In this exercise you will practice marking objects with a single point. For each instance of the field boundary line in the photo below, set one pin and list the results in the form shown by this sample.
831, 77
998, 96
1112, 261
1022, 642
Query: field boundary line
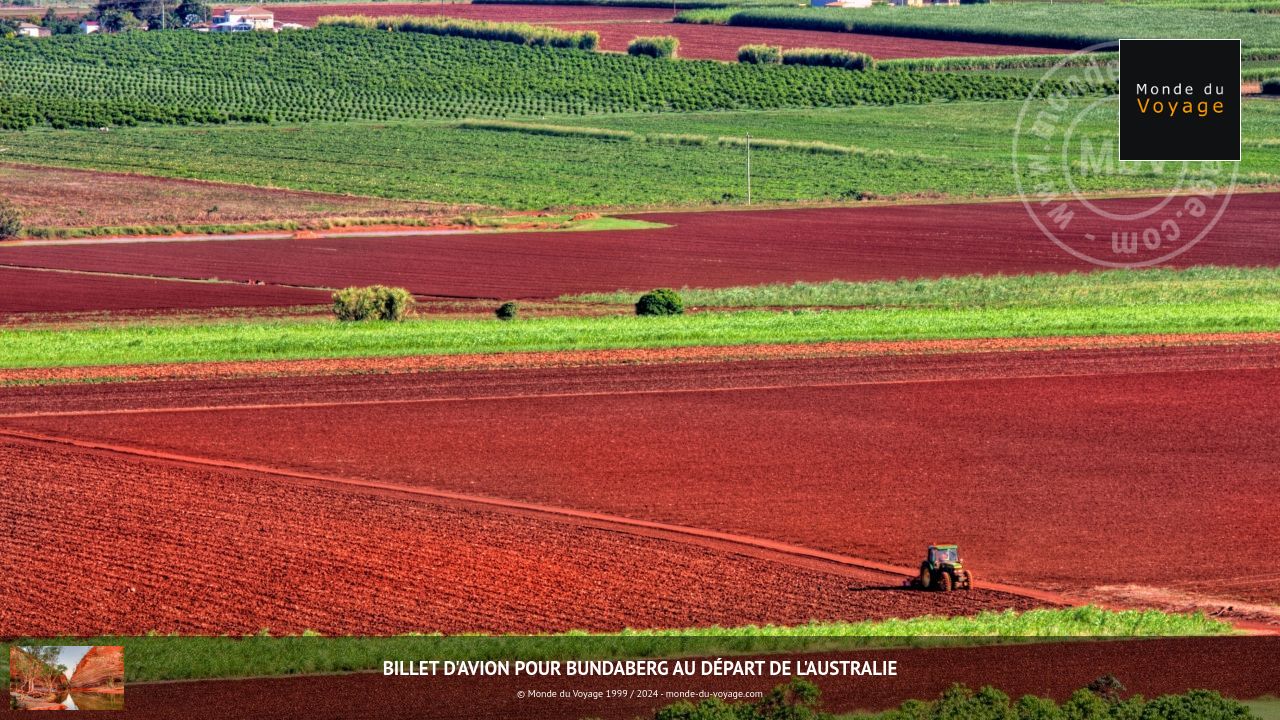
591, 394
782, 552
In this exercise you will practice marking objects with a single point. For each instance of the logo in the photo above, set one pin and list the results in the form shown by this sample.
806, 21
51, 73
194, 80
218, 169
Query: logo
1083, 197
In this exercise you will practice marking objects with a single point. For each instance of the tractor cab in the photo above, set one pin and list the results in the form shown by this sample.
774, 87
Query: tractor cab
942, 570
944, 555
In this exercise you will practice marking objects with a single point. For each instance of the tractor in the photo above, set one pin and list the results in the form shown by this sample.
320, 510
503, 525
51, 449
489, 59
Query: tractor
942, 570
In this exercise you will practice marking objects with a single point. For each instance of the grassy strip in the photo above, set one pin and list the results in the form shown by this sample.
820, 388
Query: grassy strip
1109, 287
999, 62
299, 339
757, 143
176, 657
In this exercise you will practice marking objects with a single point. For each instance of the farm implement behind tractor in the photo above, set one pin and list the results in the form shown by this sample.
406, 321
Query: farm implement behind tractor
942, 570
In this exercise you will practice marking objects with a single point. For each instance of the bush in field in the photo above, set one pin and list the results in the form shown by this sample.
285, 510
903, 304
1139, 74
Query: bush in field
659, 46
662, 301
824, 57
376, 302
10, 220
507, 311
1271, 86
760, 54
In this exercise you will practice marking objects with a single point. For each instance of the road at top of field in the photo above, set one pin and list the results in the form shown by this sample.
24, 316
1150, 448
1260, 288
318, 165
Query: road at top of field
1047, 479
538, 14
217, 551
700, 249
1150, 667
721, 42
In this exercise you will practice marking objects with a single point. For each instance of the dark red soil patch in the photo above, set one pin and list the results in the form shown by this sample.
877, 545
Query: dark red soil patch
32, 291
721, 42
1059, 482
175, 548
308, 14
1233, 666
707, 249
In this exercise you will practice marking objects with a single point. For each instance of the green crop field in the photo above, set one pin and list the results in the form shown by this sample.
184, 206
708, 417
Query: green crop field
943, 149
146, 342
1070, 25
153, 658
339, 73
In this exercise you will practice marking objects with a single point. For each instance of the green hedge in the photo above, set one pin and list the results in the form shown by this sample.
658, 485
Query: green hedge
826, 57
520, 33
760, 54
657, 46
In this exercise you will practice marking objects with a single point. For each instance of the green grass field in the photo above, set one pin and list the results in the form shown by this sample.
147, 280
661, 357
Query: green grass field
945, 149
294, 339
1104, 288
174, 657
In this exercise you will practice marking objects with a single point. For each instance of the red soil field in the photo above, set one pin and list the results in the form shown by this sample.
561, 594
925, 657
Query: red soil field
709, 249
33, 291
174, 548
721, 42
1148, 667
541, 14
1049, 480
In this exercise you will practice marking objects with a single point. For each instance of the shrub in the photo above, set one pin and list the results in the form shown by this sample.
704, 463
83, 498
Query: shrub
659, 46
662, 301
1271, 86
760, 54
10, 220
825, 57
507, 311
376, 302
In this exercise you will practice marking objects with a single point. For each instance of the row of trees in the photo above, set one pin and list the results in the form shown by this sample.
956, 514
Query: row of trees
38, 669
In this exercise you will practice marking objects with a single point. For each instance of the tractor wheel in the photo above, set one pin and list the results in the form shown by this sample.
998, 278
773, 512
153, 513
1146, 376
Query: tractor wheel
968, 580
926, 577
944, 581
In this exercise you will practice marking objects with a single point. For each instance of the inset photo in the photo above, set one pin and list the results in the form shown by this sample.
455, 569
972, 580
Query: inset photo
66, 677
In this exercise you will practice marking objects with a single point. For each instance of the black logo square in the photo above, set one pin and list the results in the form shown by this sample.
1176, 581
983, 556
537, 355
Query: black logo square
1180, 100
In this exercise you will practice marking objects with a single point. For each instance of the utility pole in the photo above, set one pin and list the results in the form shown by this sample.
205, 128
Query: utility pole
748, 168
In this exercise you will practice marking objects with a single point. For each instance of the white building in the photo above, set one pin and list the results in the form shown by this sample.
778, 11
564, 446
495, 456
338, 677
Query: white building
234, 19
26, 29
88, 27
841, 3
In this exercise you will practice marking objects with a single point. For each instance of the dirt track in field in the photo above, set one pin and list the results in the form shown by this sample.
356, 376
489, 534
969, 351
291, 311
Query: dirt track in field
708, 249
176, 548
1237, 667
721, 42
1103, 470
37, 291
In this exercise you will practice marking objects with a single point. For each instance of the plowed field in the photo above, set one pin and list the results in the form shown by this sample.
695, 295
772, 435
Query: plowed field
1153, 455
721, 42
149, 545
33, 291
1233, 666
541, 14
701, 249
